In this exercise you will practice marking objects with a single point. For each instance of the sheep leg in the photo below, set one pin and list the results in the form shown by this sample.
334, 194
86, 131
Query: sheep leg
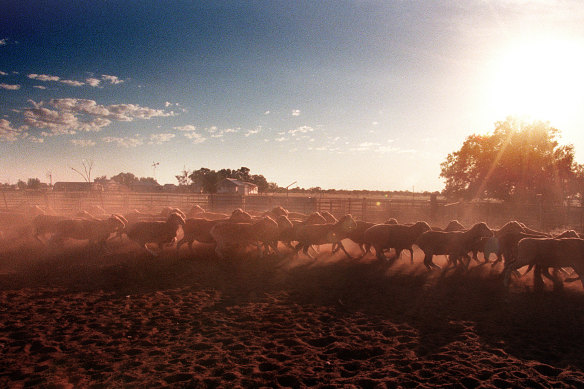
379, 253
428, 262
558, 284
411, 250
538, 284
335, 247
366, 250
468, 259
180, 243
305, 251
151, 252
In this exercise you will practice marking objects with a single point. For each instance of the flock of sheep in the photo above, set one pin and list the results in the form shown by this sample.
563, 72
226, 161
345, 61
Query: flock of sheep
514, 242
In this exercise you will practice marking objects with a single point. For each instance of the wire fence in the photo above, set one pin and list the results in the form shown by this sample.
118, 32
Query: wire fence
437, 213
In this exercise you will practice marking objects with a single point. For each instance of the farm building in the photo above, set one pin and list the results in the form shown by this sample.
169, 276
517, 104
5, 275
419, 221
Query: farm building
231, 185
63, 186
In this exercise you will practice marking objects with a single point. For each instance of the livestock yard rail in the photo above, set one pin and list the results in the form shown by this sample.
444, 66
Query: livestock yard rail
546, 217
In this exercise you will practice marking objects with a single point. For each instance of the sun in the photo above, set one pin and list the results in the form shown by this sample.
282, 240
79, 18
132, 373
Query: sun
542, 80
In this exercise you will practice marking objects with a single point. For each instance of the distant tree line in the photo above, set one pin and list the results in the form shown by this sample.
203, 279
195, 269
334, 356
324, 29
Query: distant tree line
208, 179
519, 161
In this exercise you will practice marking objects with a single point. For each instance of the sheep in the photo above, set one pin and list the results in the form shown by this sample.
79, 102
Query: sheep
168, 210
159, 232
195, 211
45, 224
455, 244
317, 234
94, 230
230, 235
397, 236
358, 235
565, 234
391, 220
454, 225
199, 229
329, 217
545, 253
290, 235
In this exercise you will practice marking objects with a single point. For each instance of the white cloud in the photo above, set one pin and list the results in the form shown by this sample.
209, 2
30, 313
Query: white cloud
72, 82
252, 132
188, 127
10, 87
3, 73
3, 41
123, 142
281, 139
111, 79
195, 137
295, 112
71, 115
43, 77
301, 129
267, 113
94, 82
160, 138
39, 87
35, 139
83, 142
7, 132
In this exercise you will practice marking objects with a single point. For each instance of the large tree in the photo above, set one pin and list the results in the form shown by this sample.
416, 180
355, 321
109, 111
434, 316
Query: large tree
209, 179
518, 161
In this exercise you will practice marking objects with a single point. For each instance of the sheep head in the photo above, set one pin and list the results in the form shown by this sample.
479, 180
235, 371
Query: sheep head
279, 211
176, 219
240, 216
454, 225
480, 230
284, 224
346, 224
421, 227
117, 223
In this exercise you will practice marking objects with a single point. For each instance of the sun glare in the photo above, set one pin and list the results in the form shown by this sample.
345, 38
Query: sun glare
540, 80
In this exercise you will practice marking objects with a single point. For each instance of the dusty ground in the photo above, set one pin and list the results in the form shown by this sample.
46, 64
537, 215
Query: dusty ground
77, 319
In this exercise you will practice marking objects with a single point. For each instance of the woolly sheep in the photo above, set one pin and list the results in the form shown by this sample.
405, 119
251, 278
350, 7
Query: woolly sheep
95, 231
229, 235
318, 234
398, 236
159, 232
545, 253
455, 244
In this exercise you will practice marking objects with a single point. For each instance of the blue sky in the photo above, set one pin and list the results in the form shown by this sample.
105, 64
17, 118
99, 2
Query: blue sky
346, 95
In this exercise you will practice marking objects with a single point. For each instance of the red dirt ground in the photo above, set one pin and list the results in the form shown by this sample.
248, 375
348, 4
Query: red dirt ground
78, 319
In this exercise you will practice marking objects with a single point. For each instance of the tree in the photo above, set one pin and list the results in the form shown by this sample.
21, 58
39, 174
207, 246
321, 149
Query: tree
33, 183
183, 178
148, 180
206, 178
86, 171
126, 179
101, 180
518, 161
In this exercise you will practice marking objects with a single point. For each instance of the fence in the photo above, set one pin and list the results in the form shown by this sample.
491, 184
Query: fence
546, 217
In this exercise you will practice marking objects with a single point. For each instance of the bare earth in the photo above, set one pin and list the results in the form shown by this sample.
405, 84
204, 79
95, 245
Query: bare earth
77, 319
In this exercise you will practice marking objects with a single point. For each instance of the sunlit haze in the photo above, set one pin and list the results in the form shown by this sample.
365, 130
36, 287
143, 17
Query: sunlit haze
345, 95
